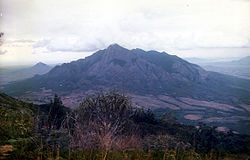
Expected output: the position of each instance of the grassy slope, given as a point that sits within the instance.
(16, 118)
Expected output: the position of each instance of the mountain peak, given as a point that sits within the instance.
(115, 46)
(40, 64)
(116, 51)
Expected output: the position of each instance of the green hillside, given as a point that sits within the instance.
(21, 126)
(17, 118)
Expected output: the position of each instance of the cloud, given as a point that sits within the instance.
(210, 40)
(70, 44)
(71, 27)
(10, 42)
(110, 21)
(19, 41)
(41, 43)
(2, 52)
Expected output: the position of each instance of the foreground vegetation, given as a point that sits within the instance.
(106, 126)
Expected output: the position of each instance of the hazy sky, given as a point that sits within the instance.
(55, 31)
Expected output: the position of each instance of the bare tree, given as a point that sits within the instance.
(104, 122)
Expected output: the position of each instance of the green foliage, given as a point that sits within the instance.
(17, 123)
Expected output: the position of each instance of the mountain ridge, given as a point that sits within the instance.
(140, 72)
(156, 80)
(111, 64)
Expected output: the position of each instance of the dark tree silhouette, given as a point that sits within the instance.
(56, 113)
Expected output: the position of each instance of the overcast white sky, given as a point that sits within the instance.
(54, 31)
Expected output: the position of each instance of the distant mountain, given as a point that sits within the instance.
(204, 61)
(239, 68)
(40, 65)
(156, 80)
(39, 68)
(20, 74)
(242, 61)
